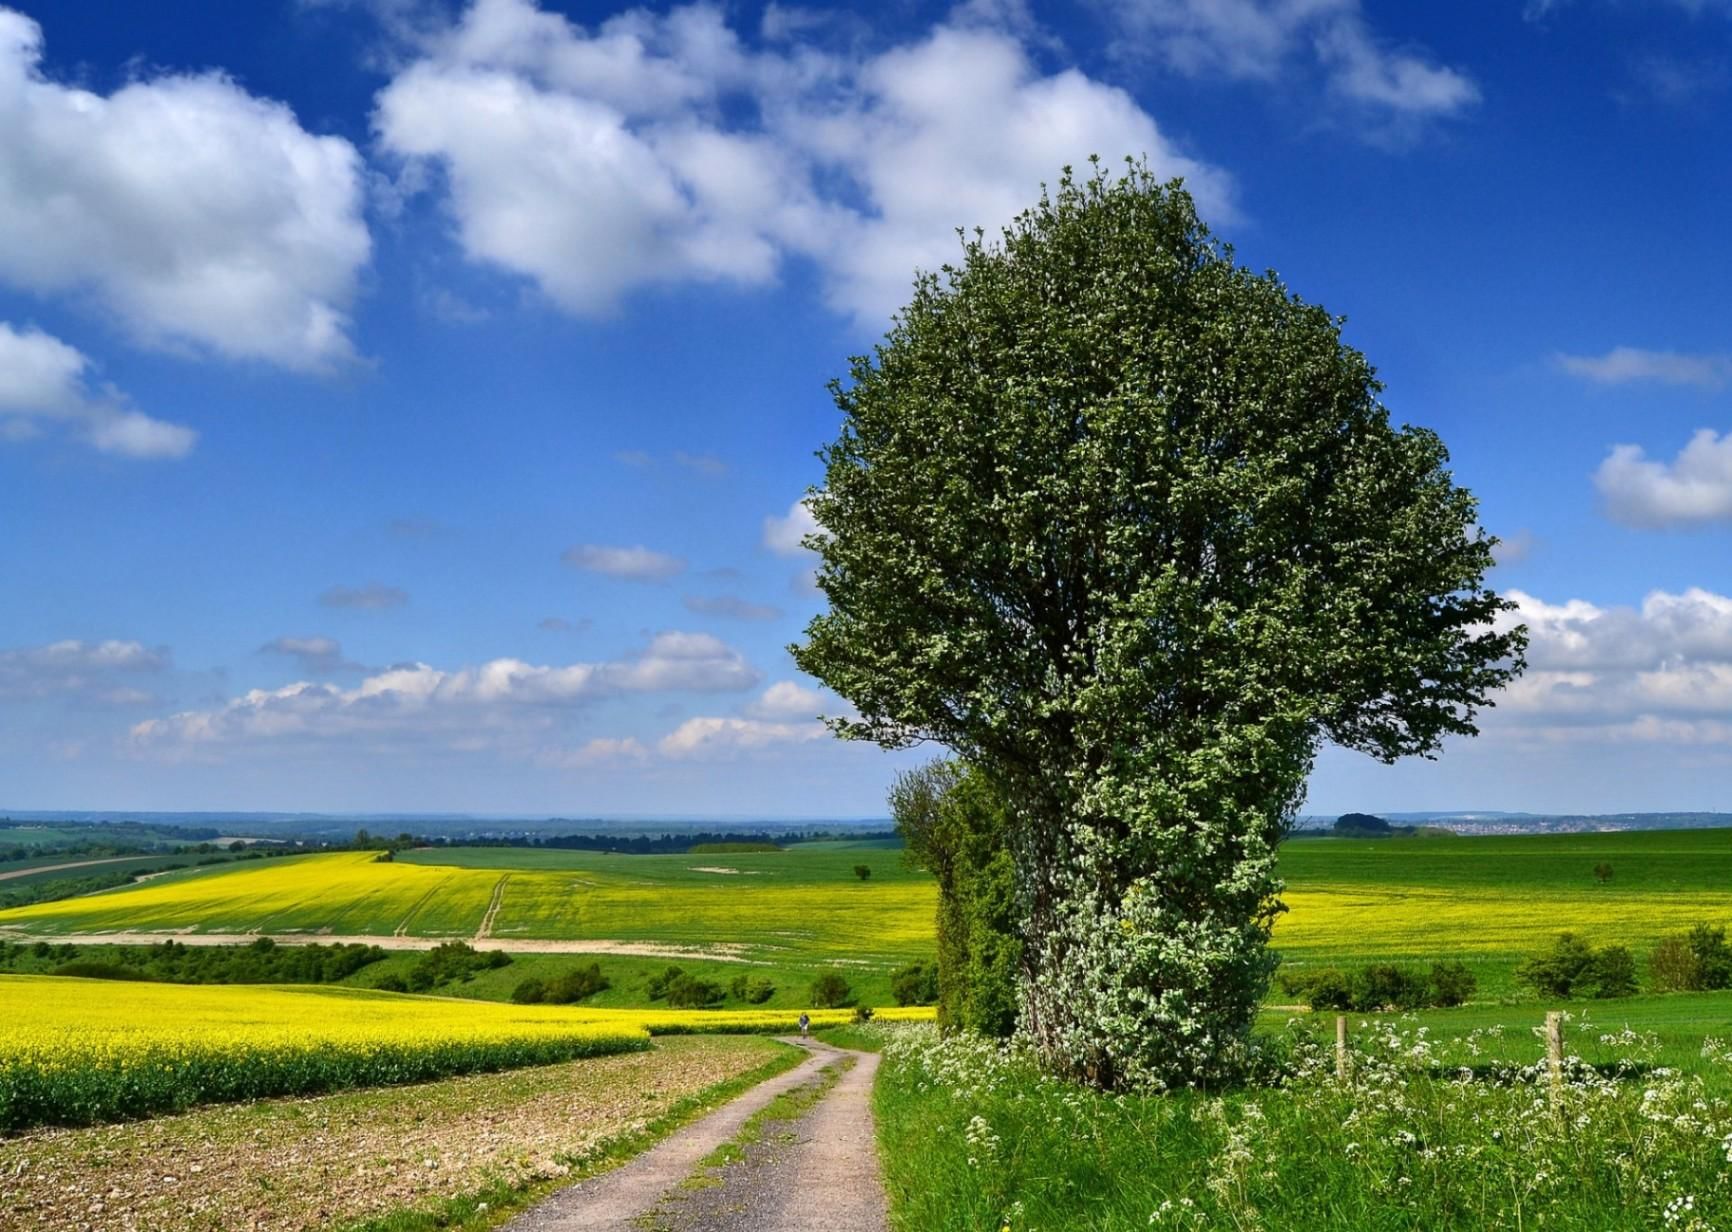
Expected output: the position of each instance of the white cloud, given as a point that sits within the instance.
(637, 564)
(784, 534)
(195, 212)
(373, 597)
(93, 671)
(42, 379)
(602, 751)
(1693, 489)
(1624, 365)
(731, 607)
(659, 148)
(504, 703)
(722, 737)
(1653, 672)
(786, 700)
(1263, 39)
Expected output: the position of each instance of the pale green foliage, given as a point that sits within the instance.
(1126, 525)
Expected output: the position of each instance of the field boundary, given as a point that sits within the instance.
(511, 945)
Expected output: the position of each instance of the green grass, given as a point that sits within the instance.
(974, 1138)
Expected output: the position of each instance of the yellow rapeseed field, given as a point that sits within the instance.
(77, 1051)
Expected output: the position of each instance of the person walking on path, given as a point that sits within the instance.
(805, 1023)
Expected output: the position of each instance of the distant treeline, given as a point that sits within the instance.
(260, 962)
(663, 844)
(126, 832)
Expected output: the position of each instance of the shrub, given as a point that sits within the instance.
(916, 984)
(1451, 983)
(753, 989)
(688, 992)
(90, 969)
(1713, 956)
(391, 982)
(1574, 968)
(1602, 872)
(578, 984)
(830, 990)
(530, 992)
(1557, 971)
(1614, 972)
(658, 984)
(451, 961)
(1380, 986)
(862, 871)
(1673, 966)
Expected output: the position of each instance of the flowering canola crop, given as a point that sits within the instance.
(76, 1052)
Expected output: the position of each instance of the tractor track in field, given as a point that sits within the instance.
(486, 929)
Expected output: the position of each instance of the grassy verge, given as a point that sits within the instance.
(973, 1136)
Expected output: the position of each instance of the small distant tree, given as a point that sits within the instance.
(1602, 872)
(862, 871)
(529, 992)
(691, 993)
(916, 984)
(830, 991)
(754, 990)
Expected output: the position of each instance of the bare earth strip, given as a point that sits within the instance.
(820, 1171)
(486, 929)
(296, 1165)
(719, 952)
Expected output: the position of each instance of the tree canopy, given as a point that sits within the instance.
(1127, 525)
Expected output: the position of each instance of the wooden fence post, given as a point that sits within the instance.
(1555, 1051)
(1341, 1047)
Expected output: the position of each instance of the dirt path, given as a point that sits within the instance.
(819, 1169)
(55, 868)
(720, 952)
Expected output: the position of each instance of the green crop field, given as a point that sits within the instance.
(1487, 901)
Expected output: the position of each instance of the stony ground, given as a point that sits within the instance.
(293, 1165)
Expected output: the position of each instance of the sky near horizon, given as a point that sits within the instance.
(405, 404)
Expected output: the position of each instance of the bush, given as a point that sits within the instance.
(530, 992)
(451, 961)
(391, 982)
(1673, 966)
(830, 991)
(1574, 968)
(1451, 983)
(862, 871)
(90, 969)
(1379, 986)
(1614, 972)
(688, 992)
(1713, 956)
(659, 984)
(753, 989)
(1326, 988)
(578, 984)
(916, 984)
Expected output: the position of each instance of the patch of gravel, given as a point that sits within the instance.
(297, 1165)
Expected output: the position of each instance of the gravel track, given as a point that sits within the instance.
(818, 1169)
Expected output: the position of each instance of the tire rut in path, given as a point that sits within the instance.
(820, 1169)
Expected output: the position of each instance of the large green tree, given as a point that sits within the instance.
(1127, 525)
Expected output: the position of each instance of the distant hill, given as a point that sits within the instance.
(1364, 825)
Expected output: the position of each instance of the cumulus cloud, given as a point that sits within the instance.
(503, 703)
(372, 597)
(731, 607)
(1659, 671)
(45, 381)
(90, 671)
(659, 148)
(315, 656)
(1694, 489)
(722, 737)
(1265, 40)
(636, 564)
(786, 700)
(1625, 365)
(785, 534)
(196, 213)
(602, 751)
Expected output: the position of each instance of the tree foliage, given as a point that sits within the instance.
(1126, 525)
(955, 825)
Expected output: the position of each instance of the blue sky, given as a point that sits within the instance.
(405, 405)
